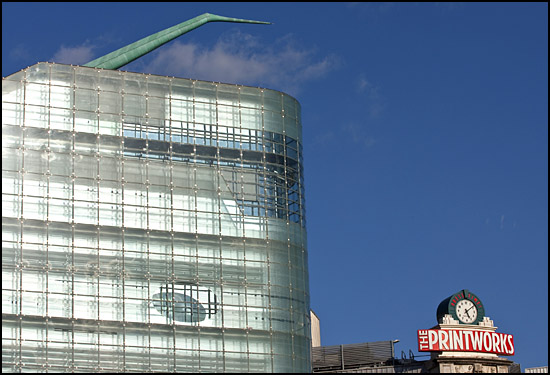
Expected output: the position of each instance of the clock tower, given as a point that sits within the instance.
(465, 339)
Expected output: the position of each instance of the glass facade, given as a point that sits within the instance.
(151, 223)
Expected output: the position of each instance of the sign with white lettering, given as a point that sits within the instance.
(462, 340)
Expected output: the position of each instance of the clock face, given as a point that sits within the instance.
(463, 306)
(466, 311)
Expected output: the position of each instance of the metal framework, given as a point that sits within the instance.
(342, 357)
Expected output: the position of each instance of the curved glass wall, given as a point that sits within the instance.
(151, 223)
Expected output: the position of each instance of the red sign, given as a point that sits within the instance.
(462, 340)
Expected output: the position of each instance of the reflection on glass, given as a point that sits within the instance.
(185, 303)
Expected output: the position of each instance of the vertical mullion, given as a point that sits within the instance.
(19, 265)
(73, 175)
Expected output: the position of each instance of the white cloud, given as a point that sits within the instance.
(242, 58)
(77, 55)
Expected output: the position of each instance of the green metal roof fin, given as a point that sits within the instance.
(131, 52)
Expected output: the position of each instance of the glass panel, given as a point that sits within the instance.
(182, 89)
(228, 116)
(110, 124)
(205, 92)
(39, 73)
(86, 122)
(37, 94)
(289, 106)
(60, 164)
(292, 128)
(251, 118)
(87, 78)
(61, 97)
(181, 110)
(158, 107)
(60, 187)
(12, 136)
(62, 75)
(17, 76)
(228, 95)
(12, 91)
(85, 143)
(272, 100)
(134, 84)
(110, 146)
(36, 161)
(12, 114)
(110, 102)
(250, 97)
(273, 122)
(110, 80)
(11, 183)
(134, 105)
(61, 119)
(205, 113)
(86, 100)
(158, 86)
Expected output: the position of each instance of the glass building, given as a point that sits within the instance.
(151, 223)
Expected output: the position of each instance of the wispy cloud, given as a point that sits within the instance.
(77, 55)
(244, 59)
(20, 52)
(375, 102)
(362, 83)
(502, 222)
(358, 135)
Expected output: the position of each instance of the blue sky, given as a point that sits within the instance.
(425, 133)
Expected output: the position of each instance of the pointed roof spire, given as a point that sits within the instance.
(131, 52)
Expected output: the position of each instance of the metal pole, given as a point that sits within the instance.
(342, 355)
(393, 342)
